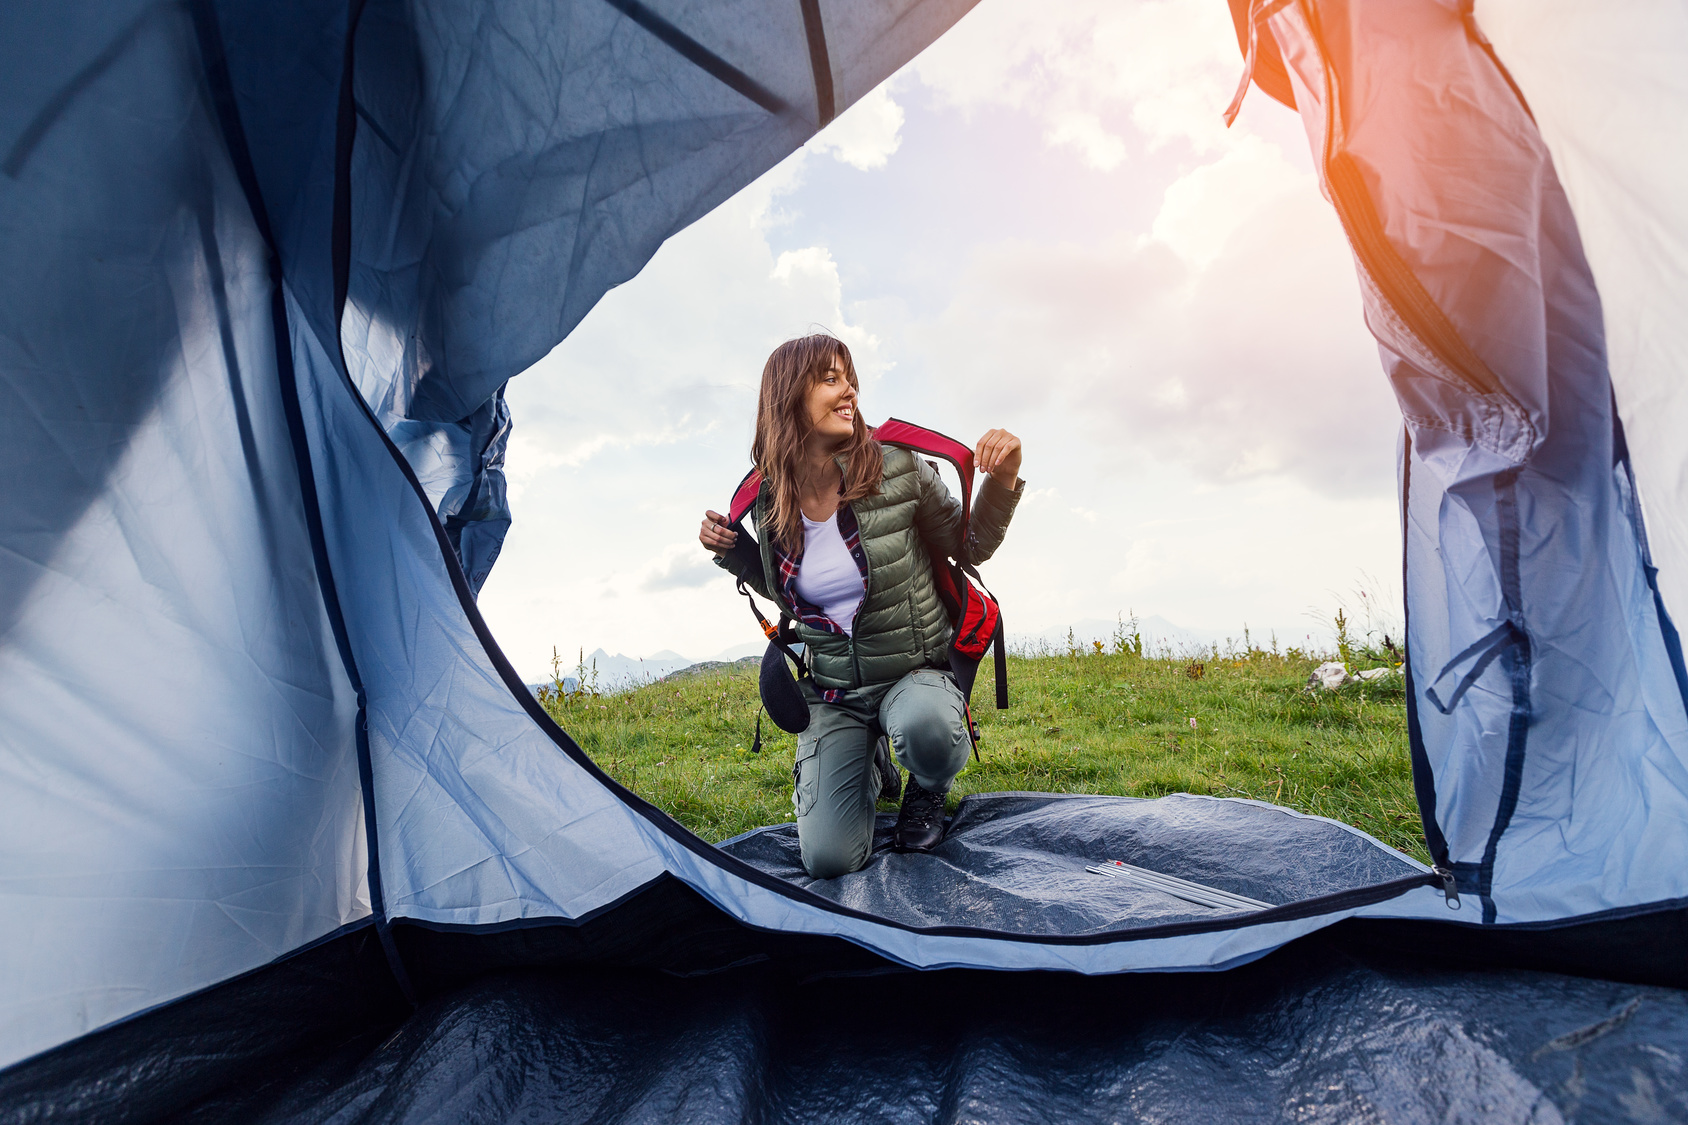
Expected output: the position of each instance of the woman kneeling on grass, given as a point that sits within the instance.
(843, 525)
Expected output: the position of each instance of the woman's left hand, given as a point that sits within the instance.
(998, 453)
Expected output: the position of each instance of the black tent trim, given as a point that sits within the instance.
(699, 55)
(1344, 900)
(1289, 912)
(819, 61)
(1516, 659)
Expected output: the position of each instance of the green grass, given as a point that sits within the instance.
(1086, 723)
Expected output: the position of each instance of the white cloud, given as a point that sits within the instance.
(1085, 132)
(1203, 208)
(1087, 68)
(1228, 341)
(866, 135)
(683, 566)
(530, 453)
(809, 262)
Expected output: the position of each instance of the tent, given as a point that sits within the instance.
(268, 779)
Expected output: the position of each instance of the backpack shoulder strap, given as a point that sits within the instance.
(744, 497)
(895, 431)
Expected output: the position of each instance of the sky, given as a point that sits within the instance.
(1042, 224)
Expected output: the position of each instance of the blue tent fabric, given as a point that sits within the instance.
(176, 727)
(267, 269)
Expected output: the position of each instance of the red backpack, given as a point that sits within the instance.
(973, 611)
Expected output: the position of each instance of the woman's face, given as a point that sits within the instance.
(832, 404)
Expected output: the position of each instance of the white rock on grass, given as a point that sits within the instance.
(1333, 674)
(1328, 675)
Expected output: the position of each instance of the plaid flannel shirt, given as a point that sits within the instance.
(811, 615)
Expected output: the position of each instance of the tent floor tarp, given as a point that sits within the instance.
(1328, 1029)
(1018, 863)
(661, 1007)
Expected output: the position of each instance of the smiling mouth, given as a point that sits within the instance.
(845, 412)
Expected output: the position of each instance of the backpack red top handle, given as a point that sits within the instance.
(894, 431)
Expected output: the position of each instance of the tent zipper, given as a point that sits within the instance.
(1450, 889)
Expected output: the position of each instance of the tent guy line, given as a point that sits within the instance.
(1199, 893)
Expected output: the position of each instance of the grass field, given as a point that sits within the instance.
(1084, 722)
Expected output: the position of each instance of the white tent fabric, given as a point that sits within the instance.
(1546, 690)
(1607, 83)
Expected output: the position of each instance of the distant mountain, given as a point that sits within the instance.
(618, 672)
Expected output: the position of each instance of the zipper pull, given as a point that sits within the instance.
(1449, 889)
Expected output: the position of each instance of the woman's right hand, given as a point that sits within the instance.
(716, 534)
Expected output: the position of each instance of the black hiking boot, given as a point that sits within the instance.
(890, 778)
(920, 823)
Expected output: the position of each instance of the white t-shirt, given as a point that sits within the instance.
(828, 577)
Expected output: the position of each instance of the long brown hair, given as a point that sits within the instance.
(783, 426)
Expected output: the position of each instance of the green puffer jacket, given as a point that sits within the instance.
(901, 624)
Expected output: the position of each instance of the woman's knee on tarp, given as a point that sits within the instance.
(925, 717)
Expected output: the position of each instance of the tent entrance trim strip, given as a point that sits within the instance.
(1329, 904)
(221, 88)
(1336, 903)
(1363, 896)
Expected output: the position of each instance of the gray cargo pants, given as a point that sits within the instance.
(835, 784)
